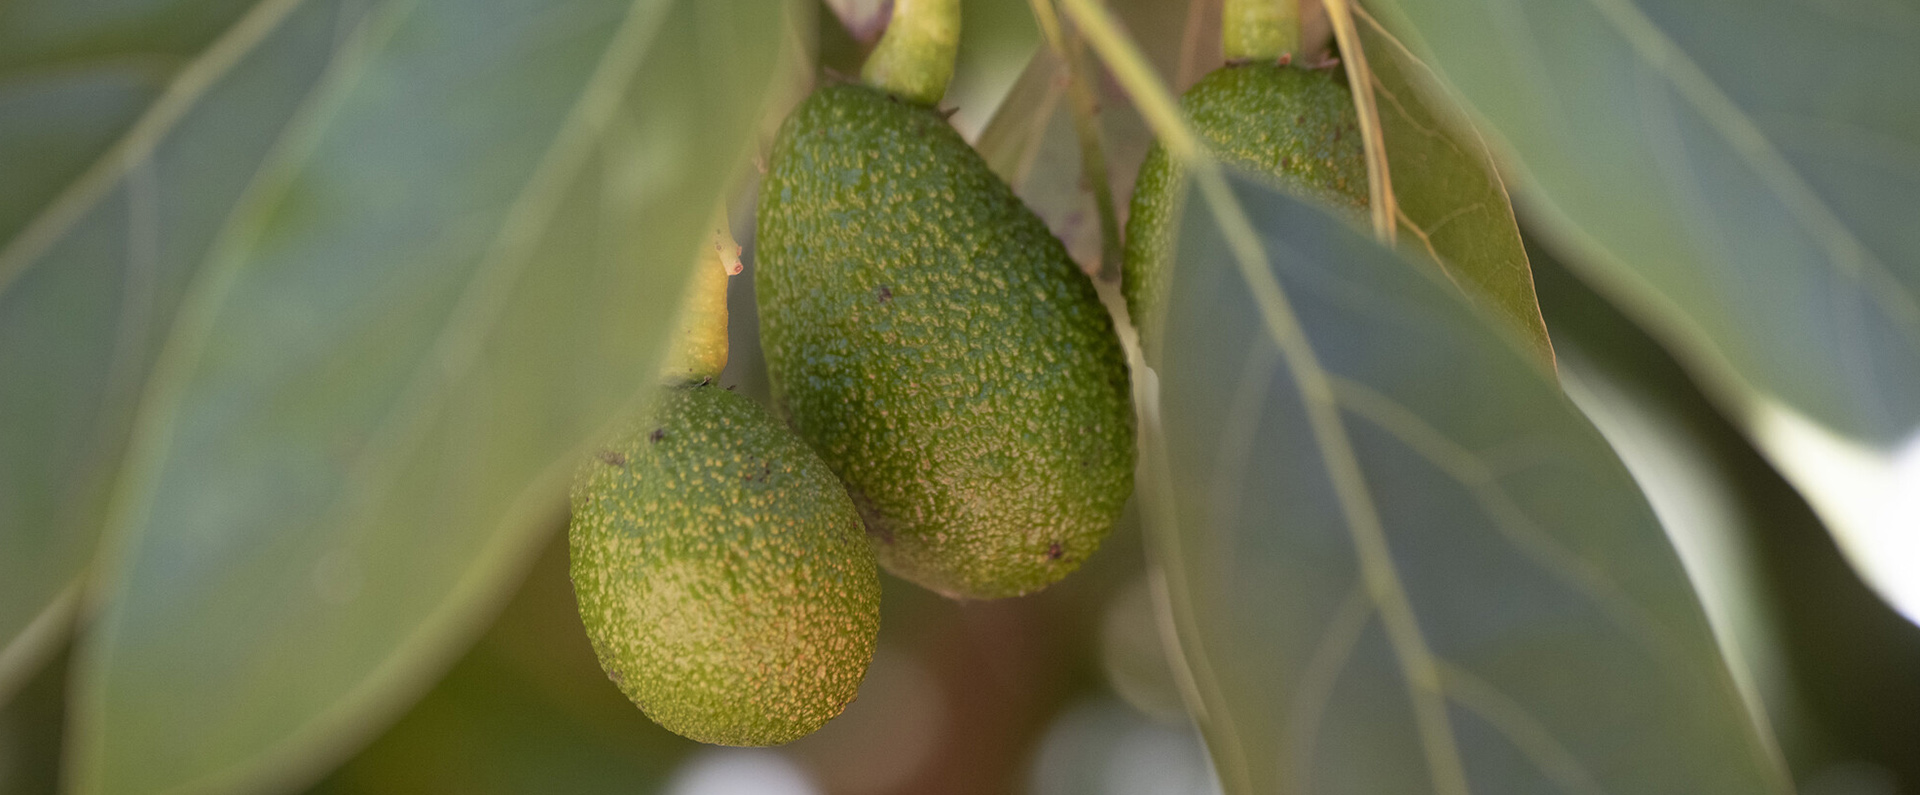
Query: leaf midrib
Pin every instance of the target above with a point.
(1845, 252)
(414, 411)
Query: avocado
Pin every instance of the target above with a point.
(934, 342)
(721, 572)
(1295, 126)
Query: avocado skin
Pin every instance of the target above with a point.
(721, 572)
(938, 347)
(1295, 126)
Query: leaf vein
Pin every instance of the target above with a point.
(1331, 655)
(134, 148)
(1844, 251)
(1518, 725)
(1377, 569)
(459, 345)
(1509, 520)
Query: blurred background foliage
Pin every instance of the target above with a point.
(1067, 691)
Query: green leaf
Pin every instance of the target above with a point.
(455, 264)
(1742, 178)
(1831, 660)
(1451, 204)
(1011, 140)
(113, 190)
(527, 710)
(1696, 472)
(1400, 560)
(30, 722)
(1031, 142)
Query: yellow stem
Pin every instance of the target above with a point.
(699, 342)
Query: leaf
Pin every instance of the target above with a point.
(455, 264)
(1450, 202)
(1695, 472)
(1031, 141)
(1832, 661)
(527, 710)
(1011, 139)
(1742, 179)
(1399, 560)
(111, 195)
(30, 732)
(996, 39)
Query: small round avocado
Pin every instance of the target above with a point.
(722, 573)
(934, 342)
(1295, 126)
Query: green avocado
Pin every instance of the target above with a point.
(721, 572)
(1295, 126)
(934, 342)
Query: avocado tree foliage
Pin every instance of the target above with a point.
(311, 309)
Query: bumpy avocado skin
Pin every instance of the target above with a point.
(1296, 126)
(935, 343)
(722, 573)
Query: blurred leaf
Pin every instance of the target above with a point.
(127, 133)
(1450, 202)
(1134, 654)
(1676, 450)
(1031, 143)
(1832, 661)
(30, 725)
(1743, 178)
(997, 38)
(486, 730)
(74, 76)
(453, 266)
(1400, 561)
(1012, 138)
(527, 710)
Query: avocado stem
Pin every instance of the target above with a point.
(1260, 30)
(914, 59)
(699, 343)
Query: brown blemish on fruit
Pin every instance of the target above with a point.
(612, 458)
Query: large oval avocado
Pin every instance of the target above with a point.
(934, 342)
(722, 573)
(1297, 127)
